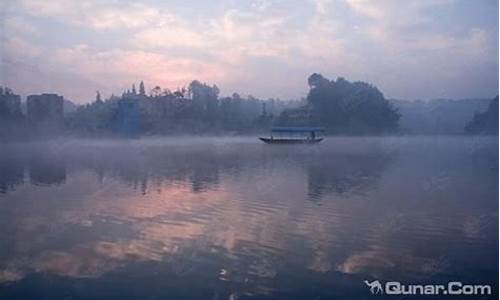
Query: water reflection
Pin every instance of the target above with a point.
(201, 168)
(12, 172)
(46, 170)
(349, 173)
(210, 218)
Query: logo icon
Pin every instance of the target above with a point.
(375, 287)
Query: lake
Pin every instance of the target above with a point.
(233, 218)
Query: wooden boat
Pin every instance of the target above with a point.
(293, 135)
(290, 141)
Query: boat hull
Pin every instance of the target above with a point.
(290, 141)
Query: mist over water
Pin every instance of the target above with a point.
(232, 218)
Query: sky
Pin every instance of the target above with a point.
(412, 49)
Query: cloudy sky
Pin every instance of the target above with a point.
(409, 49)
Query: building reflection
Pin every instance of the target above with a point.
(144, 168)
(12, 172)
(46, 170)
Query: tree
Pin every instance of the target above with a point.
(317, 80)
(142, 90)
(205, 100)
(344, 107)
(180, 93)
(486, 122)
(156, 91)
(98, 97)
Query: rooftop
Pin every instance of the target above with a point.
(297, 129)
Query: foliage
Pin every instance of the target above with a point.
(344, 107)
(485, 123)
(196, 109)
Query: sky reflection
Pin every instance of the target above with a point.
(260, 218)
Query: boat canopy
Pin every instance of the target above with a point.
(297, 129)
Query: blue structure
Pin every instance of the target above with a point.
(297, 129)
(128, 110)
(294, 135)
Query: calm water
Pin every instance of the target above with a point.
(231, 218)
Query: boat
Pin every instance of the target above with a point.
(294, 135)
(290, 141)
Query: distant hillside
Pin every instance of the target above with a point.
(440, 116)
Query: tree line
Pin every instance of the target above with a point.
(196, 109)
(341, 106)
